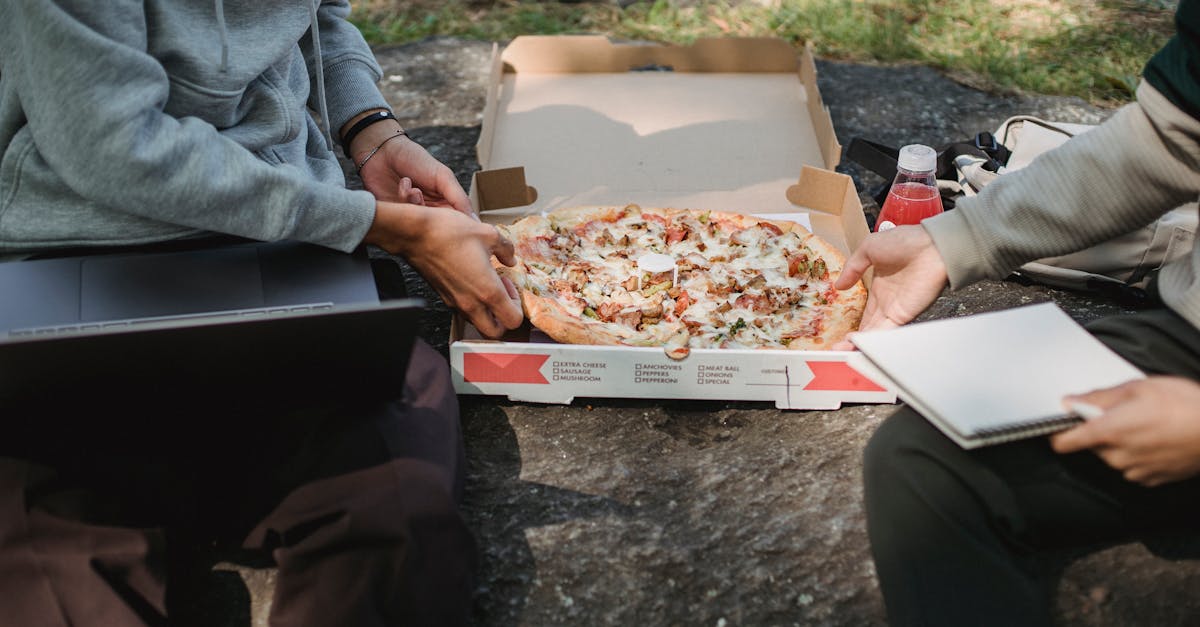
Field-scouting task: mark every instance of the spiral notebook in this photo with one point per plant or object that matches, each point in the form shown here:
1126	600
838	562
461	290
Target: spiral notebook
995	377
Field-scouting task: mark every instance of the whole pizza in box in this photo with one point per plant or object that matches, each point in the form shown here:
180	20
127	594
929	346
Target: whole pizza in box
680	279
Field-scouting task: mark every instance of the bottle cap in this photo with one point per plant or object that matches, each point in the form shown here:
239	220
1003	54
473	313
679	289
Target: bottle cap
917	158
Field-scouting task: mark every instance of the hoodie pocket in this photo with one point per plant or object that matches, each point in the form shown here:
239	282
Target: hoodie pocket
18	151
218	107
257	116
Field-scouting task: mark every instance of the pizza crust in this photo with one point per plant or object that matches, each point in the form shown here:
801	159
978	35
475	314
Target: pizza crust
846	311
562	325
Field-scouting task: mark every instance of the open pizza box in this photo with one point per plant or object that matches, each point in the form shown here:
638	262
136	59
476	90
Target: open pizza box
724	124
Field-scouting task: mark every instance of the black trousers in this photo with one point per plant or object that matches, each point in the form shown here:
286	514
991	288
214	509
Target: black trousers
355	501
963	537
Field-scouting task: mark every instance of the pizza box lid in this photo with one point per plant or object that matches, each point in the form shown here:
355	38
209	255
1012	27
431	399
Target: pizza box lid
721	124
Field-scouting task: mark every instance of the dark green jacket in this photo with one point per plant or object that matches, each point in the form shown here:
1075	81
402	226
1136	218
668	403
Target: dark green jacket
1175	70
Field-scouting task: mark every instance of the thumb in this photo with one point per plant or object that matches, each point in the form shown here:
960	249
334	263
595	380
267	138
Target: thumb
1104	398
1088	435
454	194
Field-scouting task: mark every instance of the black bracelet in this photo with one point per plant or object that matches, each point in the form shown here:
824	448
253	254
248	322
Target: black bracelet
360	125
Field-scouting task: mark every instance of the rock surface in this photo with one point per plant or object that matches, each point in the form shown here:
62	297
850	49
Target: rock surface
708	513
619	512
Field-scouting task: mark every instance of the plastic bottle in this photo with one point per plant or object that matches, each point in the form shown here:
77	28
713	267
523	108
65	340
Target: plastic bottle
914	194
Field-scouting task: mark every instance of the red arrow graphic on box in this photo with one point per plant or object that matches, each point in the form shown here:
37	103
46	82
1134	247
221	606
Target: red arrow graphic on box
838	376
503	368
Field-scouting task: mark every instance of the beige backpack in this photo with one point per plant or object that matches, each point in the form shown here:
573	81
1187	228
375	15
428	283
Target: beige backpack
1120	267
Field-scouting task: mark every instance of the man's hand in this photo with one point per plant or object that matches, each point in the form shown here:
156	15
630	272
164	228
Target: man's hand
909	276
401	171
453	252
1150	429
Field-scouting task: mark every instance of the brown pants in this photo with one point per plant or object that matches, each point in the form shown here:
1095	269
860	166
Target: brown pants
355	502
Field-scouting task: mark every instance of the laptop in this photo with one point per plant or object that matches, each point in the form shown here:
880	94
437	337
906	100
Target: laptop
274	323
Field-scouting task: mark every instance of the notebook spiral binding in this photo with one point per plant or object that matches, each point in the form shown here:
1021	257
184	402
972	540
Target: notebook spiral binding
1028	429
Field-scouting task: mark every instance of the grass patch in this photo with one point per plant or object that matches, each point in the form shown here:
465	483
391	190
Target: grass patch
1094	49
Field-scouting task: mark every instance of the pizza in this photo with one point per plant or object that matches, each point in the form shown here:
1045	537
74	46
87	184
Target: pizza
679	278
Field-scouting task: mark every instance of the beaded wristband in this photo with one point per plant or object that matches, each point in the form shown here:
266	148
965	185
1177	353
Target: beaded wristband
358	127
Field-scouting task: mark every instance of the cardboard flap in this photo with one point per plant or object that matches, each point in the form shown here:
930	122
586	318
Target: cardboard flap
818	189
835	194
502	189
831	150
483	146
589	53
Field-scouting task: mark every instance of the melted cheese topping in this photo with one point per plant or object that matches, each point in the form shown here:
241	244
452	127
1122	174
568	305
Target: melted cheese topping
736	287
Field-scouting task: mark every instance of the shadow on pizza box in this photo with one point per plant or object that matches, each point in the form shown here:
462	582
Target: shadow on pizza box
722	124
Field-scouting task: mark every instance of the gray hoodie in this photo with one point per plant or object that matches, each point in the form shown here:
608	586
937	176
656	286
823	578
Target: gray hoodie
133	122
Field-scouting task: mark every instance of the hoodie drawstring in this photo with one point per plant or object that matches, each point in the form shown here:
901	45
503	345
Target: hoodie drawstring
224	35
318	64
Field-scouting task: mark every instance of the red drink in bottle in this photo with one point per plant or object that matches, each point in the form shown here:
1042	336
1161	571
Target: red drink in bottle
914	194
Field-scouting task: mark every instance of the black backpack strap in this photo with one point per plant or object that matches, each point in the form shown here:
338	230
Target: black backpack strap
878	158
881	159
983	146
873	156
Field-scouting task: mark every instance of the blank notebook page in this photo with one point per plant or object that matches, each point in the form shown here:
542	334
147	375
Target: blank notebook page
994	370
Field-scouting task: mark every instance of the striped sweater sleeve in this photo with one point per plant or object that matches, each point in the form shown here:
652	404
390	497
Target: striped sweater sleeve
1120	176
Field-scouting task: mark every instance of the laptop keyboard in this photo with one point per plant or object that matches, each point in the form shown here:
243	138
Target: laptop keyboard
133	322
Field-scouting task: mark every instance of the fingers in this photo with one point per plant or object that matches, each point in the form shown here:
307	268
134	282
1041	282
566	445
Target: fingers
410	194
1096	432
496	312
506	311
853	271
1148	430
1122	460
447	187
503	249
431	177
510	288
497	307
454	194
1075	439
1107	397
